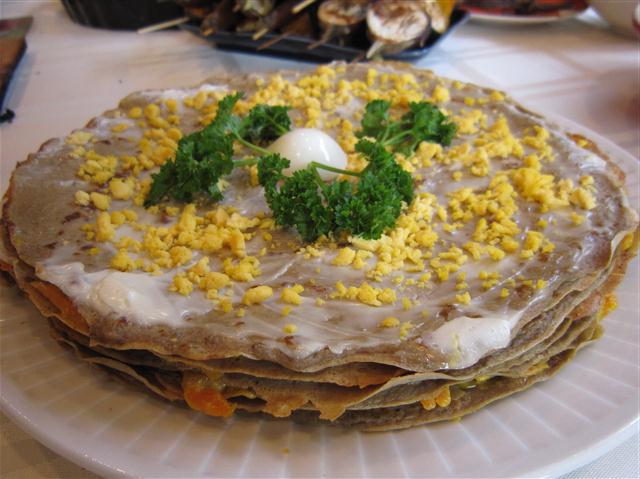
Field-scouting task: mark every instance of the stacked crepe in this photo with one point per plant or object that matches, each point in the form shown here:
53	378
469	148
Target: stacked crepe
496	274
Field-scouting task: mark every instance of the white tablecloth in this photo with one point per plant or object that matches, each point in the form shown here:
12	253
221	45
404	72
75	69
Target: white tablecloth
576	69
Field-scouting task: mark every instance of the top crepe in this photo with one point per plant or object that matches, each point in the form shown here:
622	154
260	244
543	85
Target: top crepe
508	222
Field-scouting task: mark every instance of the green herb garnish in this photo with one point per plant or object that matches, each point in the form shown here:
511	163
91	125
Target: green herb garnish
315	208
364	207
423	122
203	157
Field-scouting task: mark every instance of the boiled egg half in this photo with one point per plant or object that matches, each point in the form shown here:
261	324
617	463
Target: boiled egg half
304	145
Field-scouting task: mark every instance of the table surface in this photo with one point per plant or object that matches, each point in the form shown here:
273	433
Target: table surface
576	68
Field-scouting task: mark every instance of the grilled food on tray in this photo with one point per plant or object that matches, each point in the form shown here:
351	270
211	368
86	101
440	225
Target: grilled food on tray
386	26
371	246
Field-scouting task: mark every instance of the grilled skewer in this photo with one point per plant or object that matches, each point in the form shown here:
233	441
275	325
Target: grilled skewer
278	17
254	8
439	12
302	5
395	25
301	25
391	25
339	19
194	10
222	18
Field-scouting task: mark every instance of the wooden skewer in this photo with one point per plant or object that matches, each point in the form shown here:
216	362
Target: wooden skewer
375	47
301	25
273	41
260	33
162	26
278	17
325	38
302	5
359	57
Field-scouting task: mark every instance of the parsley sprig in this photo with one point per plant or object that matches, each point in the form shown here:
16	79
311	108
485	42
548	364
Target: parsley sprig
364	206
423	122
314	208
205	156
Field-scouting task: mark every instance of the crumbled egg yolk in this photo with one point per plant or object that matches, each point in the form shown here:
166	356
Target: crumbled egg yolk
290	328
365	293
292	295
100	201
257	294
344	257
390	322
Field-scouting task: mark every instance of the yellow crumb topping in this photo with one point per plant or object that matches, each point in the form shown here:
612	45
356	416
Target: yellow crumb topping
500	186
82	198
100	201
441	399
257	295
405	329
181	284
292	295
290	328
389	322
365	293
464	298
344	257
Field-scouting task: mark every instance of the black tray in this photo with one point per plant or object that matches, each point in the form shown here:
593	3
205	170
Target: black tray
296	46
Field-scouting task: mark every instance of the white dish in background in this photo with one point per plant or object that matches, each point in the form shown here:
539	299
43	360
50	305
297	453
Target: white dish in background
589	407
532	19
622	16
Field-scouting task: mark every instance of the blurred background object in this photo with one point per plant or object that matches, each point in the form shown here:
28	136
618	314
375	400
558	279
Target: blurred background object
317	30
122	14
325	30
622	16
523	11
12	47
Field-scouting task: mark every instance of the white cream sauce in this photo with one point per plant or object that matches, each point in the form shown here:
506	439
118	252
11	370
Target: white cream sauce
465	340
137	296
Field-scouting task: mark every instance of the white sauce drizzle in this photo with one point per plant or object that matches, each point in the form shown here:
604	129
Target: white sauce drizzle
136	296
465	340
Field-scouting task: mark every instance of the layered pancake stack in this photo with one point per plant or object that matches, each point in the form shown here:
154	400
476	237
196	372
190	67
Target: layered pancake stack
499	270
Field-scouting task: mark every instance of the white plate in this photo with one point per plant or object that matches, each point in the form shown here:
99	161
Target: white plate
588	408
523	19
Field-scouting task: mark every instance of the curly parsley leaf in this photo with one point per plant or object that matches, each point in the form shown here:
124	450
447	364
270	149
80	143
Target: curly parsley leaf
314	208
265	123
270	168
382	189
423	122
375	121
163	182
205	156
364	207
